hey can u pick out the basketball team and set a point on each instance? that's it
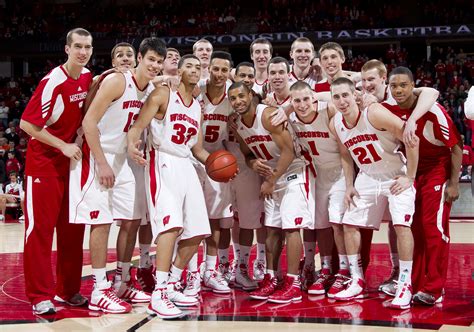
(324, 155)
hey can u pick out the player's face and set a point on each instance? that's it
(124, 58)
(151, 63)
(343, 98)
(302, 53)
(246, 75)
(170, 64)
(190, 71)
(302, 102)
(331, 62)
(240, 100)
(203, 52)
(219, 71)
(80, 50)
(372, 82)
(278, 75)
(261, 55)
(13, 178)
(401, 87)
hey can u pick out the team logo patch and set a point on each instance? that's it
(407, 217)
(94, 214)
(298, 221)
(291, 177)
(166, 220)
(437, 188)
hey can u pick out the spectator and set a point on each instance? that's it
(4, 109)
(12, 164)
(467, 161)
(11, 133)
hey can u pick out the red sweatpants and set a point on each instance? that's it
(431, 233)
(46, 208)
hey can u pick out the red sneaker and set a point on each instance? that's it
(290, 292)
(308, 277)
(323, 283)
(146, 279)
(266, 288)
(342, 281)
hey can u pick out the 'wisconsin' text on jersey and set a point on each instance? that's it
(132, 103)
(361, 138)
(184, 117)
(258, 138)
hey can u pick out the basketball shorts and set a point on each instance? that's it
(374, 197)
(90, 203)
(175, 197)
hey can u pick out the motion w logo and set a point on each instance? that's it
(94, 214)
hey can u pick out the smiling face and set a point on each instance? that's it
(331, 62)
(302, 101)
(150, 64)
(124, 58)
(401, 87)
(343, 98)
(240, 99)
(219, 71)
(302, 53)
(203, 51)
(80, 50)
(373, 82)
(278, 75)
(246, 75)
(261, 55)
(170, 64)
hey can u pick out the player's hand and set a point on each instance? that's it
(409, 137)
(270, 102)
(451, 192)
(235, 175)
(232, 122)
(278, 117)
(266, 190)
(106, 175)
(368, 99)
(315, 72)
(135, 154)
(349, 197)
(402, 183)
(72, 150)
(171, 81)
(261, 168)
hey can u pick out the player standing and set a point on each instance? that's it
(261, 51)
(202, 49)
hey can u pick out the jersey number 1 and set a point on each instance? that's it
(131, 119)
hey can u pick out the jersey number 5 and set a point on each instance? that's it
(361, 153)
(212, 134)
(183, 134)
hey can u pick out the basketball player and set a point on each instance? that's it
(331, 58)
(245, 72)
(63, 91)
(203, 50)
(261, 51)
(175, 199)
(302, 52)
(108, 193)
(278, 80)
(270, 152)
(437, 181)
(371, 138)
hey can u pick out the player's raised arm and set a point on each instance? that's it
(198, 150)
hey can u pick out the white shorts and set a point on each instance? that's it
(289, 208)
(248, 207)
(329, 189)
(374, 196)
(90, 203)
(174, 195)
(218, 195)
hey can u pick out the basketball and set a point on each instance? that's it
(221, 166)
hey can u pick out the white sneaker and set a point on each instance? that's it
(77, 300)
(193, 284)
(44, 308)
(105, 299)
(226, 271)
(161, 306)
(259, 268)
(2, 219)
(128, 292)
(212, 280)
(243, 280)
(173, 292)
(403, 297)
(355, 290)
(21, 219)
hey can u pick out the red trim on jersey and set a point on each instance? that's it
(292, 72)
(355, 125)
(256, 82)
(309, 122)
(280, 103)
(306, 181)
(152, 176)
(182, 100)
(86, 164)
(253, 120)
(136, 84)
(220, 100)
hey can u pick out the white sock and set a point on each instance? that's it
(309, 250)
(145, 259)
(326, 262)
(394, 258)
(193, 263)
(354, 267)
(100, 277)
(261, 251)
(343, 262)
(236, 249)
(161, 279)
(244, 255)
(211, 262)
(175, 274)
(405, 272)
(223, 255)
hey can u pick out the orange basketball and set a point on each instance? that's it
(221, 165)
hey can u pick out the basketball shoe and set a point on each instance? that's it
(342, 281)
(243, 280)
(266, 288)
(77, 300)
(212, 280)
(127, 291)
(290, 292)
(427, 298)
(44, 308)
(146, 278)
(225, 270)
(193, 284)
(355, 290)
(323, 283)
(161, 306)
(389, 286)
(308, 276)
(105, 299)
(175, 295)
(259, 267)
(403, 297)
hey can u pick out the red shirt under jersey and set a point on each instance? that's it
(437, 135)
(322, 86)
(56, 106)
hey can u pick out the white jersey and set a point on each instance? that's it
(13, 188)
(120, 116)
(374, 151)
(258, 87)
(317, 139)
(177, 132)
(260, 142)
(214, 121)
(285, 103)
(292, 79)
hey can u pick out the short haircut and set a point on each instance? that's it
(171, 49)
(279, 59)
(185, 57)
(301, 40)
(261, 41)
(77, 31)
(300, 85)
(202, 40)
(237, 85)
(402, 71)
(244, 64)
(332, 46)
(114, 49)
(152, 44)
(222, 55)
(375, 64)
(341, 81)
